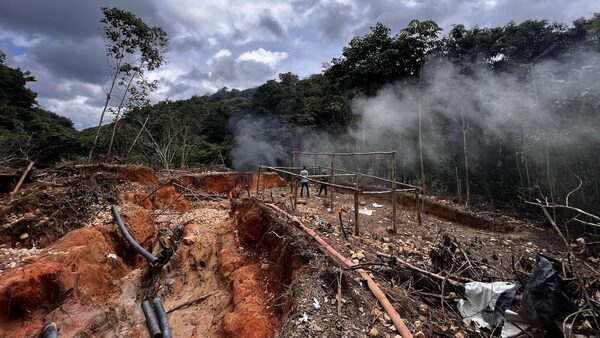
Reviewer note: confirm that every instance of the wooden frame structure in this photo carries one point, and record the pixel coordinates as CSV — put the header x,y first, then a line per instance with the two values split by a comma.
x,y
342,172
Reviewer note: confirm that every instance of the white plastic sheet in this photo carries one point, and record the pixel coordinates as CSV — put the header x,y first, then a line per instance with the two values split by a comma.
x,y
365,211
479,296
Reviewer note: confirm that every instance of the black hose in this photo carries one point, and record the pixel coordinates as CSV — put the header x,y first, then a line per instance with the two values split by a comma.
x,y
151,320
130,239
49,331
162,318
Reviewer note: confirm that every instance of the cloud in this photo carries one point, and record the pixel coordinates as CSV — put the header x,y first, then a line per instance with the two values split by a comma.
x,y
263,56
267,20
82,60
233,43
223,53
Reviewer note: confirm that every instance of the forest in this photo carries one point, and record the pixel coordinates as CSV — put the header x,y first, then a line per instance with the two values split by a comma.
x,y
486,115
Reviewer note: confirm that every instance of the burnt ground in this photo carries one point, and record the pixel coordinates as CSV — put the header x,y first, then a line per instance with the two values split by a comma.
x,y
238,268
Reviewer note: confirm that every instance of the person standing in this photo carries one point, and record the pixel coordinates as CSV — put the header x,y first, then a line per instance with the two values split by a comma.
x,y
323,187
304,181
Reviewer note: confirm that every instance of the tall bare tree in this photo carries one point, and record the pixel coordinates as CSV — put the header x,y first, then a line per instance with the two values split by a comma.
x,y
132,47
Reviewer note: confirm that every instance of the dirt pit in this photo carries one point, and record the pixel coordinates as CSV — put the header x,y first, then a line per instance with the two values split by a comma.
x,y
228,273
236,267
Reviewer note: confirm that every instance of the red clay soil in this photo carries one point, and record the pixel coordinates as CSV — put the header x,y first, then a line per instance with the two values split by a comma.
x,y
75,272
258,279
219,259
127,172
223,183
245,267
165,198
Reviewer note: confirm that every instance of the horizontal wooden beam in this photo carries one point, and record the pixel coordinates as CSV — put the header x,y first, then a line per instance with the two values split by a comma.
x,y
309,178
386,191
379,178
340,175
345,154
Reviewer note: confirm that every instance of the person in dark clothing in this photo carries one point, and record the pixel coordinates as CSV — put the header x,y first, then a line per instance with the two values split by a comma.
x,y
323,186
304,180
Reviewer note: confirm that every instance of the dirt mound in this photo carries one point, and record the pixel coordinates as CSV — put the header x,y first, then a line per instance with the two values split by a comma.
x,y
166,197
77,271
452,213
125,172
223,183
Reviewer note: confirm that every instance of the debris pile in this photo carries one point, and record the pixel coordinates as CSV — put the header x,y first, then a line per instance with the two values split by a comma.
x,y
237,267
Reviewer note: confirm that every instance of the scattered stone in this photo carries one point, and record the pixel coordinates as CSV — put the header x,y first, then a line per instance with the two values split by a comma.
x,y
189,240
374,332
358,255
419,334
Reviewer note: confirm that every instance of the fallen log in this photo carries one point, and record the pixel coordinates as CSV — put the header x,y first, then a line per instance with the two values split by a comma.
x,y
377,292
25,173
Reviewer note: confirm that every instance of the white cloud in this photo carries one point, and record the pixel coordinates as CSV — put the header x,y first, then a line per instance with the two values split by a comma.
x,y
223,53
263,56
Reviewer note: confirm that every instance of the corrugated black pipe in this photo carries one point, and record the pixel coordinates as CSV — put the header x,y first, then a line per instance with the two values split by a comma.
x,y
49,331
151,320
162,318
130,239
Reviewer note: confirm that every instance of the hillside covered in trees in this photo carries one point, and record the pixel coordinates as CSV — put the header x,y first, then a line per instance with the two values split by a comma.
x,y
491,112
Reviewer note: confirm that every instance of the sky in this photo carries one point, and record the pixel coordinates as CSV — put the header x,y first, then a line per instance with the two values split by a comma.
x,y
213,44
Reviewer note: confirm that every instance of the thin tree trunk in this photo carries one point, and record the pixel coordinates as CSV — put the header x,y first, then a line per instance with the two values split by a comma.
x,y
517,162
114,128
420,132
106,102
183,149
458,189
549,177
524,157
138,134
465,129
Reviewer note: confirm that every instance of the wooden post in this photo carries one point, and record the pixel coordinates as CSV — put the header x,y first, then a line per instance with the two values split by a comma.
x,y
417,200
292,170
22,179
356,206
394,192
294,184
332,180
258,180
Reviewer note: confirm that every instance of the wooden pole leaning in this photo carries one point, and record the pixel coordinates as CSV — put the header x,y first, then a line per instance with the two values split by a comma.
x,y
394,197
356,206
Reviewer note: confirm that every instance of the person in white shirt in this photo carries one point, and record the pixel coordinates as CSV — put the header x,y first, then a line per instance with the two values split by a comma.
x,y
304,181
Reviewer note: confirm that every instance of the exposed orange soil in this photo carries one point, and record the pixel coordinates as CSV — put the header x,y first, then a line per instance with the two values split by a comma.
x,y
91,283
